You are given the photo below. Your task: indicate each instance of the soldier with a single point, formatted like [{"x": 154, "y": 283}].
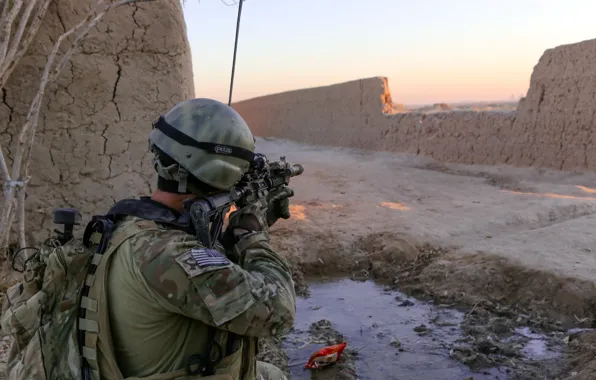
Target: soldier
[{"x": 172, "y": 308}]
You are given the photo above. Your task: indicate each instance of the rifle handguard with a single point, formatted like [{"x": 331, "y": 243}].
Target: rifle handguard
[{"x": 256, "y": 191}]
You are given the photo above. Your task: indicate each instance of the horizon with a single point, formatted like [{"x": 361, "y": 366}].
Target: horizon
[{"x": 430, "y": 51}]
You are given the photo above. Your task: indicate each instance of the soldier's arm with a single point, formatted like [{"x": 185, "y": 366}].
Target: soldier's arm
[{"x": 254, "y": 297}]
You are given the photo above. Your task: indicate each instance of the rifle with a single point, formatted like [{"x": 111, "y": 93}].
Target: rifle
[{"x": 263, "y": 177}]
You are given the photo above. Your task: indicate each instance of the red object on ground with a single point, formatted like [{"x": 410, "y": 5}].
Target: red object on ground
[{"x": 326, "y": 356}]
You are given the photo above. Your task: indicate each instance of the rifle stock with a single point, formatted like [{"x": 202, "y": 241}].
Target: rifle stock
[{"x": 263, "y": 177}]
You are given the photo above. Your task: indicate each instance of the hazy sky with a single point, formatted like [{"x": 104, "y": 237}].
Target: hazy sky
[{"x": 431, "y": 50}]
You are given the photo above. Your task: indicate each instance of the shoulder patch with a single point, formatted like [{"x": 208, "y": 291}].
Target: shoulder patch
[
  {"x": 205, "y": 257},
  {"x": 202, "y": 260}
]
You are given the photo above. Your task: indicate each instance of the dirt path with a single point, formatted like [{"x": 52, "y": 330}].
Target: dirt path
[
  {"x": 472, "y": 235},
  {"x": 486, "y": 237},
  {"x": 542, "y": 218}
]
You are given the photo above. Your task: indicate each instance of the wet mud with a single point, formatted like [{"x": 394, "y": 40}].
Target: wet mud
[
  {"x": 393, "y": 336},
  {"x": 515, "y": 322}
]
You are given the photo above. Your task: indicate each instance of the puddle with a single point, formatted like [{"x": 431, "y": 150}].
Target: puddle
[
  {"x": 537, "y": 345},
  {"x": 395, "y": 337}
]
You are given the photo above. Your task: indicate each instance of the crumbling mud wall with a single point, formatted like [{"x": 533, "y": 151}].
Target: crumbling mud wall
[
  {"x": 556, "y": 121},
  {"x": 357, "y": 114},
  {"x": 91, "y": 145},
  {"x": 553, "y": 126}
]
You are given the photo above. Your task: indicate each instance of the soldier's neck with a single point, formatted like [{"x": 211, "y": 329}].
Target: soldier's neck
[{"x": 172, "y": 200}]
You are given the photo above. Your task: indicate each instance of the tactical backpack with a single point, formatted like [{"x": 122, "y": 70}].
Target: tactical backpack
[
  {"x": 42, "y": 312},
  {"x": 45, "y": 313}
]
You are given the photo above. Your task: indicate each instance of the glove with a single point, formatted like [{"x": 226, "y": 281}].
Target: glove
[
  {"x": 264, "y": 213},
  {"x": 278, "y": 205},
  {"x": 258, "y": 216},
  {"x": 245, "y": 220}
]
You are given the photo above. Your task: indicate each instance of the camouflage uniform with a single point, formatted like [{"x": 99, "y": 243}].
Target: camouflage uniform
[
  {"x": 168, "y": 297},
  {"x": 139, "y": 297},
  {"x": 162, "y": 296}
]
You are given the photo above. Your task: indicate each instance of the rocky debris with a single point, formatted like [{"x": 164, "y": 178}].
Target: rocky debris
[
  {"x": 270, "y": 351},
  {"x": 422, "y": 329},
  {"x": 322, "y": 332}
]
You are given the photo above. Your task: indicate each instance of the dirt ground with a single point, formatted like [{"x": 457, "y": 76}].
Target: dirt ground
[
  {"x": 513, "y": 243},
  {"x": 514, "y": 246}
]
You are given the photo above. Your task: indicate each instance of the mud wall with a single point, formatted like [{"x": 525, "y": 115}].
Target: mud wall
[
  {"x": 551, "y": 128},
  {"x": 350, "y": 114},
  {"x": 91, "y": 146},
  {"x": 555, "y": 125}
]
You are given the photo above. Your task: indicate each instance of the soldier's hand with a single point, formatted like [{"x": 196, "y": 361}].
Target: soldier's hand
[
  {"x": 249, "y": 221},
  {"x": 279, "y": 205},
  {"x": 251, "y": 217},
  {"x": 258, "y": 216},
  {"x": 245, "y": 220}
]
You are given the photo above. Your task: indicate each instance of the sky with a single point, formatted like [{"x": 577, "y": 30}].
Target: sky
[{"x": 431, "y": 50}]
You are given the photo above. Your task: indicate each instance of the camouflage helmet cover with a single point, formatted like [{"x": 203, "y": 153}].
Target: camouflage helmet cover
[{"x": 208, "y": 139}]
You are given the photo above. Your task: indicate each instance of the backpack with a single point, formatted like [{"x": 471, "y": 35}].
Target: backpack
[
  {"x": 41, "y": 312},
  {"x": 44, "y": 314}
]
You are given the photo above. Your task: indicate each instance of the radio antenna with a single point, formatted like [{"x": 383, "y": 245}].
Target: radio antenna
[{"x": 235, "y": 50}]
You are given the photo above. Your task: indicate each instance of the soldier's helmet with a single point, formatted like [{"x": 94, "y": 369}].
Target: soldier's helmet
[{"x": 205, "y": 139}]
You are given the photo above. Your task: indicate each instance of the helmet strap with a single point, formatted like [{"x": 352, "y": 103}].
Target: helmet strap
[
  {"x": 167, "y": 185},
  {"x": 182, "y": 179},
  {"x": 173, "y": 172}
]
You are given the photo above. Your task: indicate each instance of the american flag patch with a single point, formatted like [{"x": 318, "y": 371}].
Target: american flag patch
[{"x": 206, "y": 257}]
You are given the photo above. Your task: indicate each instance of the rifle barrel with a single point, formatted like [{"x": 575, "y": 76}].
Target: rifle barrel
[{"x": 295, "y": 170}]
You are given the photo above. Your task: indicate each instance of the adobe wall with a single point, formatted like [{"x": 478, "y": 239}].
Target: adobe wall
[
  {"x": 91, "y": 145},
  {"x": 350, "y": 115},
  {"x": 551, "y": 128},
  {"x": 556, "y": 122}
]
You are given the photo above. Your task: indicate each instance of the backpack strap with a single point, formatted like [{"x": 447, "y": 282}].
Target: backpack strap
[
  {"x": 250, "y": 352},
  {"x": 94, "y": 320},
  {"x": 94, "y": 324}
]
